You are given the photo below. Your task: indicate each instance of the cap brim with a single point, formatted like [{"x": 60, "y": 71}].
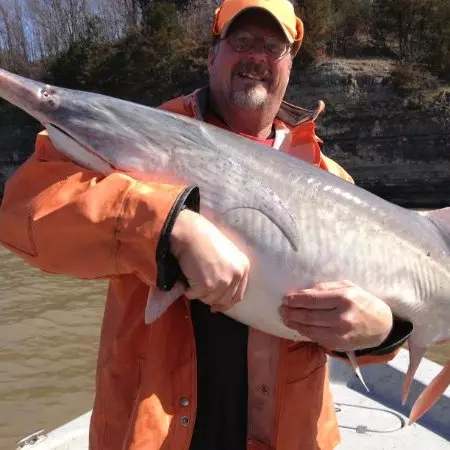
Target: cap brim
[{"x": 261, "y": 8}]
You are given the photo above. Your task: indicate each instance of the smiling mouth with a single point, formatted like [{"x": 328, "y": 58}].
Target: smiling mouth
[{"x": 252, "y": 76}]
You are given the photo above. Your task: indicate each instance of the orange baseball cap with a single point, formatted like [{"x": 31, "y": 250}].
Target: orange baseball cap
[{"x": 281, "y": 10}]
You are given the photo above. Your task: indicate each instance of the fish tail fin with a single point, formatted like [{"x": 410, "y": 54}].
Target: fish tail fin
[
  {"x": 416, "y": 353},
  {"x": 354, "y": 362},
  {"x": 158, "y": 301},
  {"x": 431, "y": 394}
]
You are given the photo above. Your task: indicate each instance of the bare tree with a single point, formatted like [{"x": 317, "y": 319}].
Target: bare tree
[
  {"x": 114, "y": 16},
  {"x": 131, "y": 9},
  {"x": 197, "y": 17},
  {"x": 19, "y": 31},
  {"x": 13, "y": 41}
]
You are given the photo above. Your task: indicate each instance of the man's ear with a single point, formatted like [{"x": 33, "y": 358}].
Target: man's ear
[{"x": 212, "y": 55}]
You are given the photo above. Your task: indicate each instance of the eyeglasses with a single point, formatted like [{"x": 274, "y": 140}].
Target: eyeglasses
[{"x": 243, "y": 41}]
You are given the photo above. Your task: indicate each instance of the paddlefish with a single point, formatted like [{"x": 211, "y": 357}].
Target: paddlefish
[{"x": 298, "y": 224}]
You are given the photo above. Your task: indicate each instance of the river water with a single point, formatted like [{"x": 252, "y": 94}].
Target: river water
[{"x": 49, "y": 328}]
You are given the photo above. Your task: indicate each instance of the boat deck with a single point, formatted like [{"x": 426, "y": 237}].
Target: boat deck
[{"x": 374, "y": 420}]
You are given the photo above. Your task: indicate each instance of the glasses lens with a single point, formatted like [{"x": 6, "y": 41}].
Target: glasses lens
[
  {"x": 242, "y": 41},
  {"x": 276, "y": 48}
]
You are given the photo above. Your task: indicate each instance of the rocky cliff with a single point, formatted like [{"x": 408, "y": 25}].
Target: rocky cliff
[{"x": 394, "y": 140}]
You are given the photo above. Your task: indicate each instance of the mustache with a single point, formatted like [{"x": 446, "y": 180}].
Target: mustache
[{"x": 250, "y": 67}]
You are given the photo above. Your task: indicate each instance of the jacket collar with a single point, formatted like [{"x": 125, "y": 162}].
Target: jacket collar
[{"x": 288, "y": 113}]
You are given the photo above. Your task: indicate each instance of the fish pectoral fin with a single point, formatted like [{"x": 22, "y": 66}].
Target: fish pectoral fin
[
  {"x": 431, "y": 394},
  {"x": 354, "y": 362},
  {"x": 260, "y": 197},
  {"x": 416, "y": 353},
  {"x": 159, "y": 301}
]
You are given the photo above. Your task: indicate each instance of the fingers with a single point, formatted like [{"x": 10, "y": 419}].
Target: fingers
[
  {"x": 215, "y": 268},
  {"x": 221, "y": 301},
  {"x": 312, "y": 299},
  {"x": 222, "y": 294},
  {"x": 318, "y": 318},
  {"x": 197, "y": 292},
  {"x": 329, "y": 285},
  {"x": 325, "y": 336},
  {"x": 322, "y": 296},
  {"x": 237, "y": 295},
  {"x": 338, "y": 315}
]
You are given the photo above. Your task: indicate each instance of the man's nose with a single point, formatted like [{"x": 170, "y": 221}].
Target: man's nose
[{"x": 258, "y": 53}]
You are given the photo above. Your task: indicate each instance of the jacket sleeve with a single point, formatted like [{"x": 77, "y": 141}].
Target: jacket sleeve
[
  {"x": 387, "y": 350},
  {"x": 333, "y": 167},
  {"x": 64, "y": 219}
]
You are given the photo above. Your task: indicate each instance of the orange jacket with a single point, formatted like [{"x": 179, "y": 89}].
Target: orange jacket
[{"x": 65, "y": 219}]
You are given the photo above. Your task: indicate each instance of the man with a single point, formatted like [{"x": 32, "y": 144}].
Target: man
[{"x": 195, "y": 379}]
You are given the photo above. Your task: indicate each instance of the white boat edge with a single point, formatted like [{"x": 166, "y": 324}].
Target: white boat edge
[{"x": 367, "y": 420}]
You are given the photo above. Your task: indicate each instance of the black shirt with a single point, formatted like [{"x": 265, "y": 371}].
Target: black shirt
[
  {"x": 221, "y": 344},
  {"x": 222, "y": 380}
]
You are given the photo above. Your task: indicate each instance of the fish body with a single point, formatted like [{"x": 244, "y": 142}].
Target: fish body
[{"x": 298, "y": 224}]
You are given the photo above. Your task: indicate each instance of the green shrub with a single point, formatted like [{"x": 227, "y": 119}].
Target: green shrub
[{"x": 409, "y": 78}]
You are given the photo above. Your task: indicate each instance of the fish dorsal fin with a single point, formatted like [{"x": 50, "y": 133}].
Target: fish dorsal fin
[{"x": 441, "y": 217}]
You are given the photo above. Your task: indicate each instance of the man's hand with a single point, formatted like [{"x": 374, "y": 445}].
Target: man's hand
[
  {"x": 340, "y": 316},
  {"x": 216, "y": 270}
]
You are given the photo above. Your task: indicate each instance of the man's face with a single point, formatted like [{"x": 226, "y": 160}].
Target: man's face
[{"x": 250, "y": 79}]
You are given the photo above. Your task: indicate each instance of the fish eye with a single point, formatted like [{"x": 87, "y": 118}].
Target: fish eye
[
  {"x": 48, "y": 97},
  {"x": 47, "y": 91}
]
